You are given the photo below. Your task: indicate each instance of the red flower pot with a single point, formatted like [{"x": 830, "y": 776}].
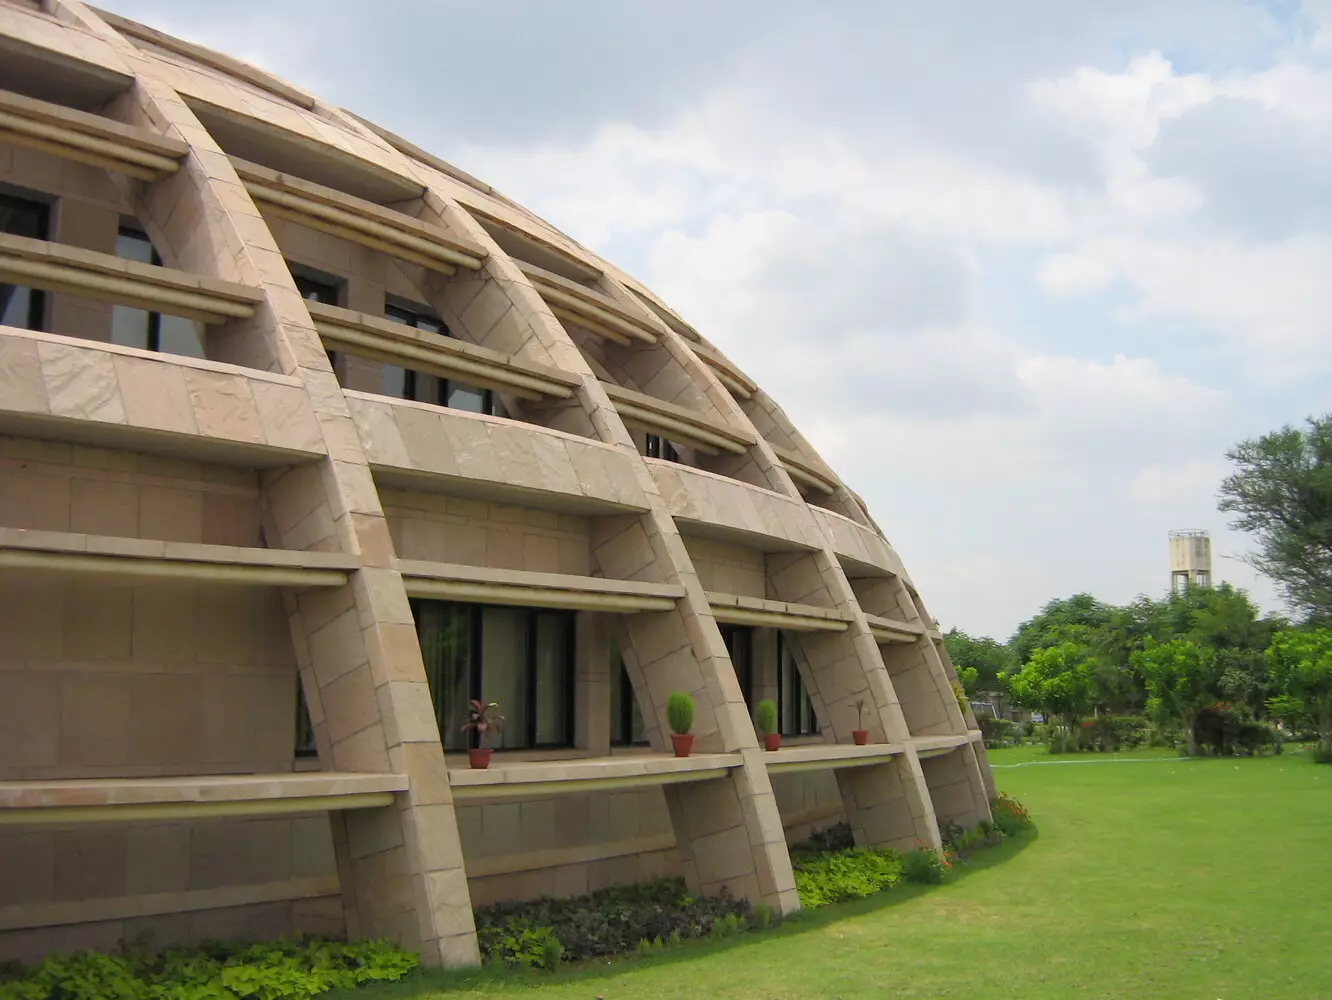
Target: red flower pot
[
  {"x": 771, "y": 741},
  {"x": 860, "y": 736},
  {"x": 683, "y": 743},
  {"x": 479, "y": 758}
]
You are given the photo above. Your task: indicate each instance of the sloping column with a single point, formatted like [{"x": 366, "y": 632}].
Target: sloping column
[
  {"x": 361, "y": 670},
  {"x": 955, "y": 787},
  {"x": 729, "y": 830},
  {"x": 887, "y": 804}
]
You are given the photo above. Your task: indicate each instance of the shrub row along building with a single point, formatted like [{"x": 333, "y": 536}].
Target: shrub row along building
[{"x": 306, "y": 438}]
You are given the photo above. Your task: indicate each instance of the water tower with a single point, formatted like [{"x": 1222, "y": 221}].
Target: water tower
[{"x": 1190, "y": 560}]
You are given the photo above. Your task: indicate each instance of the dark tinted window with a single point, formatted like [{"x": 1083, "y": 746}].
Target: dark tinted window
[
  {"x": 151, "y": 331},
  {"x": 521, "y": 658},
  {"x": 19, "y": 305}
]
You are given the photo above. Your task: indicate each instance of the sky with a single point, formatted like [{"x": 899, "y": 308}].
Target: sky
[{"x": 1021, "y": 272}]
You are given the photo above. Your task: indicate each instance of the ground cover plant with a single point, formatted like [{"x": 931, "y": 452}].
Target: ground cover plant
[
  {"x": 291, "y": 970},
  {"x": 1144, "y": 877},
  {"x": 540, "y": 933}
]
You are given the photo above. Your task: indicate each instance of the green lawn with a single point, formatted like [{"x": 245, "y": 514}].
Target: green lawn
[{"x": 1146, "y": 877}]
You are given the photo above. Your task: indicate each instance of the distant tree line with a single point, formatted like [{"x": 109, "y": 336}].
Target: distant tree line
[{"x": 1191, "y": 658}]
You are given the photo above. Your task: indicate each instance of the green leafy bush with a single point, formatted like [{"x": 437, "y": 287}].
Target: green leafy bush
[
  {"x": 925, "y": 864},
  {"x": 609, "y": 922},
  {"x": 680, "y": 712},
  {"x": 840, "y": 875},
  {"x": 279, "y": 970},
  {"x": 522, "y": 944}
]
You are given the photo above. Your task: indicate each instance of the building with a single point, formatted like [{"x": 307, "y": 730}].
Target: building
[
  {"x": 1190, "y": 560},
  {"x": 308, "y": 437}
]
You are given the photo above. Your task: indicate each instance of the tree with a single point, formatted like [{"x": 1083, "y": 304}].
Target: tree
[
  {"x": 1301, "y": 665},
  {"x": 1282, "y": 493},
  {"x": 984, "y": 655},
  {"x": 1181, "y": 678},
  {"x": 1224, "y": 620},
  {"x": 1057, "y": 681},
  {"x": 967, "y": 677},
  {"x": 1068, "y": 619}
]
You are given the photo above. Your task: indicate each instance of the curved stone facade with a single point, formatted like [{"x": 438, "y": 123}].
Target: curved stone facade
[{"x": 276, "y": 387}]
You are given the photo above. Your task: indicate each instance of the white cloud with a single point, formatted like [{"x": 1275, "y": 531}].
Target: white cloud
[{"x": 960, "y": 259}]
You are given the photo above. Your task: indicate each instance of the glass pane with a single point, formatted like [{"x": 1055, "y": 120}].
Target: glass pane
[
  {"x": 504, "y": 671},
  {"x": 445, "y": 633},
  {"x": 394, "y": 381},
  {"x": 554, "y": 679},
  {"x": 129, "y": 327},
  {"x": 428, "y": 388},
  {"x": 177, "y": 335},
  {"x": 465, "y": 397},
  {"x": 316, "y": 291},
  {"x": 738, "y": 642},
  {"x": 21, "y": 217},
  {"x": 305, "y": 737},
  {"x": 134, "y": 246},
  {"x": 17, "y": 307},
  {"x": 21, "y": 306}
]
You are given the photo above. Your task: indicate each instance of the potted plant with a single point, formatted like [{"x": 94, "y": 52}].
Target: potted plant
[
  {"x": 481, "y": 720},
  {"x": 766, "y": 717},
  {"x": 680, "y": 715},
  {"x": 860, "y": 735}
]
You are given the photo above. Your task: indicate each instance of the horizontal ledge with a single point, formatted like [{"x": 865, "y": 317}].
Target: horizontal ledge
[
  {"x": 483, "y": 585},
  {"x": 937, "y": 746},
  {"x": 157, "y": 812},
  {"x": 574, "y": 777},
  {"x": 24, "y": 916},
  {"x": 359, "y": 220},
  {"x": 829, "y": 757},
  {"x": 104, "y": 277},
  {"x": 149, "y": 559},
  {"x": 482, "y": 207},
  {"x": 383, "y": 340},
  {"x": 730, "y": 376},
  {"x": 805, "y": 472},
  {"x": 661, "y": 311},
  {"x": 591, "y": 326},
  {"x": 134, "y": 800},
  {"x": 87, "y": 138},
  {"x": 739, "y": 610},
  {"x": 676, "y": 422},
  {"x": 891, "y": 630},
  {"x": 600, "y": 309}
]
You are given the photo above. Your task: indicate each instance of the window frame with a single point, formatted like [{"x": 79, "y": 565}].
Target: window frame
[
  {"x": 784, "y": 685},
  {"x": 743, "y": 673},
  {"x": 36, "y": 318},
  {"x": 412, "y": 316},
  {"x": 656, "y": 446},
  {"x": 622, "y": 716},
  {"x": 476, "y": 671}
]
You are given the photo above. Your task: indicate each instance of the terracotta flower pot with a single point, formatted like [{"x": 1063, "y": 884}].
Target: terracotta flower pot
[
  {"x": 861, "y": 736},
  {"x": 683, "y": 743},
  {"x": 479, "y": 758},
  {"x": 771, "y": 741}
]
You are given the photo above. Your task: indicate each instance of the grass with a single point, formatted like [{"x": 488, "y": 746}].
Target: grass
[{"x": 1145, "y": 877}]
